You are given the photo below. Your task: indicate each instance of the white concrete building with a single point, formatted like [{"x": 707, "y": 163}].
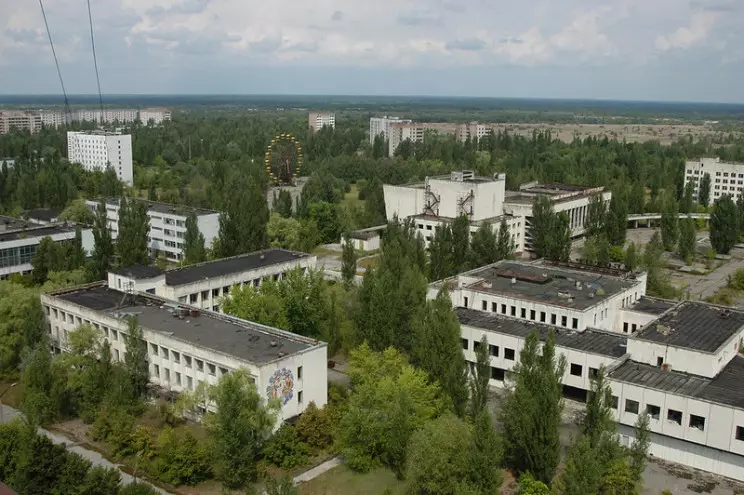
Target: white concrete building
[
  {"x": 19, "y": 240},
  {"x": 187, "y": 345},
  {"x": 397, "y": 133},
  {"x": 19, "y": 119},
  {"x": 439, "y": 200},
  {"x": 205, "y": 285},
  {"x": 471, "y": 131},
  {"x": 317, "y": 120},
  {"x": 167, "y": 225},
  {"x": 99, "y": 150},
  {"x": 155, "y": 115},
  {"x": 678, "y": 361},
  {"x": 381, "y": 125},
  {"x": 725, "y": 177}
]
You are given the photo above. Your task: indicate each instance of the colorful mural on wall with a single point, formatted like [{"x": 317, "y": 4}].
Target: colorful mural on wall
[{"x": 281, "y": 386}]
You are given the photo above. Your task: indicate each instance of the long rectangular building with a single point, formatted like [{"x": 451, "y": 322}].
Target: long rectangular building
[
  {"x": 99, "y": 151},
  {"x": 205, "y": 285},
  {"x": 677, "y": 361},
  {"x": 187, "y": 345},
  {"x": 167, "y": 225}
]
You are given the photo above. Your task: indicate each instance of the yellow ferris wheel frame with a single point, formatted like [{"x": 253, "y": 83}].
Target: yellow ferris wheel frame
[{"x": 283, "y": 137}]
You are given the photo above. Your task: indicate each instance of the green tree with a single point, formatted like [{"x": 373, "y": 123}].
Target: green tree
[
  {"x": 264, "y": 305},
  {"x": 284, "y": 232},
  {"x": 21, "y": 324},
  {"x": 582, "y": 473},
  {"x": 528, "y": 485},
  {"x": 244, "y": 219},
  {"x": 704, "y": 191},
  {"x": 438, "y": 457},
  {"x": 460, "y": 242},
  {"x": 596, "y": 216},
  {"x": 437, "y": 350},
  {"x": 77, "y": 211},
  {"x": 281, "y": 486},
  {"x": 532, "y": 410},
  {"x": 688, "y": 200},
  {"x": 486, "y": 455},
  {"x": 504, "y": 242},
  {"x": 543, "y": 225},
  {"x": 616, "y": 225},
  {"x": 182, "y": 459},
  {"x": 135, "y": 358},
  {"x": 390, "y": 400},
  {"x": 76, "y": 256},
  {"x": 639, "y": 448},
  {"x": 103, "y": 250},
  {"x": 42, "y": 391},
  {"x": 43, "y": 260},
  {"x": 479, "y": 378},
  {"x": 687, "y": 240},
  {"x": 137, "y": 488},
  {"x": 483, "y": 248},
  {"x": 349, "y": 262},
  {"x": 561, "y": 248},
  {"x": 441, "y": 263},
  {"x": 193, "y": 241},
  {"x": 239, "y": 428},
  {"x": 670, "y": 223},
  {"x": 134, "y": 225},
  {"x": 724, "y": 224},
  {"x": 283, "y": 203}
]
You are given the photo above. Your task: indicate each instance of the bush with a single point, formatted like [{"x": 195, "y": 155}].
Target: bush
[
  {"x": 116, "y": 427},
  {"x": 137, "y": 488},
  {"x": 314, "y": 427},
  {"x": 183, "y": 460},
  {"x": 736, "y": 281},
  {"x": 285, "y": 449}
]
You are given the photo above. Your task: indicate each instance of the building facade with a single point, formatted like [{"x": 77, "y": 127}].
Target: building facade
[
  {"x": 155, "y": 116},
  {"x": 167, "y": 225},
  {"x": 19, "y": 119},
  {"x": 440, "y": 200},
  {"x": 472, "y": 130},
  {"x": 19, "y": 240},
  {"x": 317, "y": 120},
  {"x": 205, "y": 285},
  {"x": 725, "y": 177},
  {"x": 677, "y": 361},
  {"x": 99, "y": 150},
  {"x": 381, "y": 126},
  {"x": 187, "y": 346}
]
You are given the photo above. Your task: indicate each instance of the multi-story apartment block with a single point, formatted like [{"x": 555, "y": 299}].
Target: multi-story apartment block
[
  {"x": 99, "y": 150},
  {"x": 187, "y": 345},
  {"x": 19, "y": 119},
  {"x": 381, "y": 126},
  {"x": 471, "y": 131},
  {"x": 205, "y": 285},
  {"x": 439, "y": 200},
  {"x": 397, "y": 133},
  {"x": 167, "y": 225},
  {"x": 317, "y": 120},
  {"x": 19, "y": 240},
  {"x": 677, "y": 361},
  {"x": 154, "y": 115},
  {"x": 725, "y": 177}
]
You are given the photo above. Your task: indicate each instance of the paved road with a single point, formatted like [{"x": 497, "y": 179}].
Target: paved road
[{"x": 7, "y": 414}]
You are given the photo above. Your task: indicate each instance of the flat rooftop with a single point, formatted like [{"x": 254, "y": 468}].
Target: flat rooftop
[
  {"x": 138, "y": 272},
  {"x": 579, "y": 288},
  {"x": 592, "y": 341},
  {"x": 167, "y": 208},
  {"x": 725, "y": 388},
  {"x": 34, "y": 231},
  {"x": 239, "y": 338},
  {"x": 694, "y": 325},
  {"x": 11, "y": 223},
  {"x": 553, "y": 189},
  {"x": 226, "y": 266},
  {"x": 652, "y": 305},
  {"x": 43, "y": 214}
]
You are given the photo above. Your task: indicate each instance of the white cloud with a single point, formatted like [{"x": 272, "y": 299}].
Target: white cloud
[{"x": 687, "y": 36}]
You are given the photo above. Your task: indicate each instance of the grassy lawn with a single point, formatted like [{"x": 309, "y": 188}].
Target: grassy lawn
[
  {"x": 341, "y": 481},
  {"x": 11, "y": 394},
  {"x": 367, "y": 262},
  {"x": 351, "y": 198}
]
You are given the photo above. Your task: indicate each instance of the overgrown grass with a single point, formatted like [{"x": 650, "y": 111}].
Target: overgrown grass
[
  {"x": 351, "y": 198},
  {"x": 12, "y": 395},
  {"x": 342, "y": 481}
]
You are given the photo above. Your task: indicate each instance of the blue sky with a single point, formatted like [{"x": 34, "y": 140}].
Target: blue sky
[{"x": 679, "y": 50}]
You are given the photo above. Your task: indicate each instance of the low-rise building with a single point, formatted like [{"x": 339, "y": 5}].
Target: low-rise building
[
  {"x": 205, "y": 285},
  {"x": 167, "y": 224},
  {"x": 187, "y": 345},
  {"x": 677, "y": 361},
  {"x": 19, "y": 240}
]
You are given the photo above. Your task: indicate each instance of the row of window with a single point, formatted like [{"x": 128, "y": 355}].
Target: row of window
[
  {"x": 195, "y": 297},
  {"x": 673, "y": 416},
  {"x": 718, "y": 174},
  {"x": 725, "y": 181},
  {"x": 512, "y": 311}
]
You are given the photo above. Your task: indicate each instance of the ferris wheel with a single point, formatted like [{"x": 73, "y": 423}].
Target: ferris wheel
[{"x": 283, "y": 159}]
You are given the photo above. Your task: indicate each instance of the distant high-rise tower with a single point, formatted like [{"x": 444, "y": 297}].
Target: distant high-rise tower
[
  {"x": 317, "y": 120},
  {"x": 98, "y": 150}
]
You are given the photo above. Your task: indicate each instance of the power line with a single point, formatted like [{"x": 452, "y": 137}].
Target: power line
[
  {"x": 95, "y": 60},
  {"x": 68, "y": 112}
]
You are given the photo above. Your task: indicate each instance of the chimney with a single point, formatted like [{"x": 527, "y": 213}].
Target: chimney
[{"x": 514, "y": 280}]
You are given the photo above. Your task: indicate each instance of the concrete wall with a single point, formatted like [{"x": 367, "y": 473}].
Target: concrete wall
[
  {"x": 403, "y": 201},
  {"x": 124, "y": 284},
  {"x": 63, "y": 317}
]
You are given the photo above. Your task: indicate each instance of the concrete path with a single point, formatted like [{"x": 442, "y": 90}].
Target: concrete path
[
  {"x": 7, "y": 414},
  {"x": 317, "y": 470}
]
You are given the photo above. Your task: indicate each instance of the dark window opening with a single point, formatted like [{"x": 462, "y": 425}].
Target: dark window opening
[
  {"x": 523, "y": 313},
  {"x": 542, "y": 316},
  {"x": 576, "y": 369},
  {"x": 552, "y": 319},
  {"x": 593, "y": 372},
  {"x": 653, "y": 411},
  {"x": 740, "y": 433},
  {"x": 697, "y": 422},
  {"x": 514, "y": 311},
  {"x": 465, "y": 344},
  {"x": 508, "y": 354},
  {"x": 631, "y": 406},
  {"x": 564, "y": 321},
  {"x": 484, "y": 305},
  {"x": 674, "y": 416},
  {"x": 497, "y": 374},
  {"x": 493, "y": 350},
  {"x": 575, "y": 323},
  {"x": 465, "y": 299},
  {"x": 532, "y": 314},
  {"x": 659, "y": 361},
  {"x": 614, "y": 402}
]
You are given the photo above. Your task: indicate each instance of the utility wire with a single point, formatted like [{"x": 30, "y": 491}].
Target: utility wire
[
  {"x": 95, "y": 60},
  {"x": 68, "y": 112}
]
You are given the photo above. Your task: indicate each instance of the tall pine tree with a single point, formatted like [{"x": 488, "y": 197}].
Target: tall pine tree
[
  {"x": 441, "y": 264},
  {"x": 724, "y": 224},
  {"x": 670, "y": 223},
  {"x": 193, "y": 241},
  {"x": 243, "y": 223},
  {"x": 103, "y": 249},
  {"x": 483, "y": 249},
  {"x": 704, "y": 191},
  {"x": 134, "y": 225},
  {"x": 460, "y": 242},
  {"x": 349, "y": 261},
  {"x": 504, "y": 242},
  {"x": 596, "y": 216}
]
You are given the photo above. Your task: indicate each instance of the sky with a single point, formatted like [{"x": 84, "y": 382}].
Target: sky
[{"x": 663, "y": 50}]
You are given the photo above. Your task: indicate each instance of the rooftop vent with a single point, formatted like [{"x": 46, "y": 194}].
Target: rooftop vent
[
  {"x": 272, "y": 343},
  {"x": 468, "y": 175},
  {"x": 725, "y": 314},
  {"x": 262, "y": 256},
  {"x": 514, "y": 280},
  {"x": 487, "y": 285}
]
